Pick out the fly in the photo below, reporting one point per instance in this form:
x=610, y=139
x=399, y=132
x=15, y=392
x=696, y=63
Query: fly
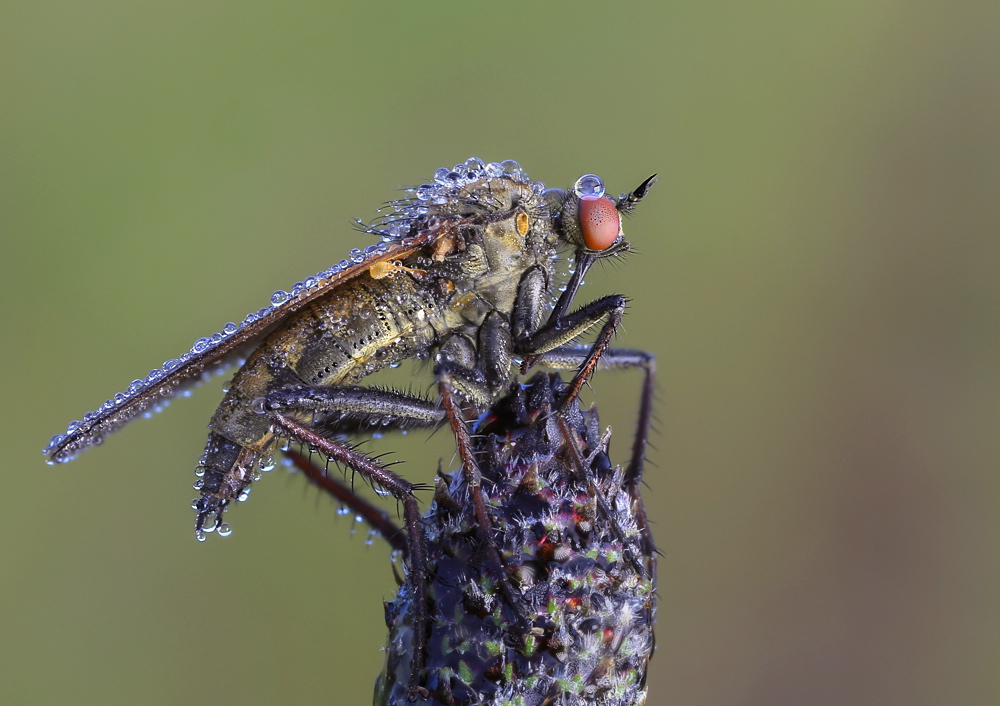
x=465, y=271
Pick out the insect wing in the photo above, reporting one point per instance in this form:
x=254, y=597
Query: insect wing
x=219, y=351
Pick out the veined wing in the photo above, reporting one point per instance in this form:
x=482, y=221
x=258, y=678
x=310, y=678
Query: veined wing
x=216, y=352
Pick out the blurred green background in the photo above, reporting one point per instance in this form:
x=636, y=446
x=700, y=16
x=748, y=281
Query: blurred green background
x=817, y=272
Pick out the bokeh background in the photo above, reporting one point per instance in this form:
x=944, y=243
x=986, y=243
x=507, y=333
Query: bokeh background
x=817, y=272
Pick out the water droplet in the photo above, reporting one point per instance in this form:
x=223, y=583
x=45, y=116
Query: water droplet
x=225, y=530
x=279, y=297
x=199, y=535
x=511, y=167
x=266, y=463
x=589, y=186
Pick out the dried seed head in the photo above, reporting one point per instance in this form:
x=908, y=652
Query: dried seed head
x=590, y=610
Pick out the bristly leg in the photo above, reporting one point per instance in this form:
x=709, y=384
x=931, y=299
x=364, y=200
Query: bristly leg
x=403, y=491
x=582, y=568
x=377, y=518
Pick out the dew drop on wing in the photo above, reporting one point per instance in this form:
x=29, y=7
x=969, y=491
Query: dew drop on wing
x=279, y=297
x=225, y=529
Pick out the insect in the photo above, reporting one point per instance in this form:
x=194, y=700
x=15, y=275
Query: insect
x=572, y=533
x=465, y=271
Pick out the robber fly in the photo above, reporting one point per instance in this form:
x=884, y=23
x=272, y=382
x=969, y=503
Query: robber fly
x=465, y=272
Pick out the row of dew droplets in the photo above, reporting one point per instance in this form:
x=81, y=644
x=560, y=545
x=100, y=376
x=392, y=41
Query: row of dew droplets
x=447, y=184
x=449, y=181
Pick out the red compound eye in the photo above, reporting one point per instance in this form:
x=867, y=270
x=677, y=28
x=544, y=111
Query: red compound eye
x=600, y=222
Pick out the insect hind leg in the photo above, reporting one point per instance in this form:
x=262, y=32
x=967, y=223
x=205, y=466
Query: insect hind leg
x=403, y=491
x=342, y=409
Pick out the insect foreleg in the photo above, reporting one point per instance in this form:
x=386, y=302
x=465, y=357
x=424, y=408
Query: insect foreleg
x=608, y=309
x=569, y=357
x=573, y=357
